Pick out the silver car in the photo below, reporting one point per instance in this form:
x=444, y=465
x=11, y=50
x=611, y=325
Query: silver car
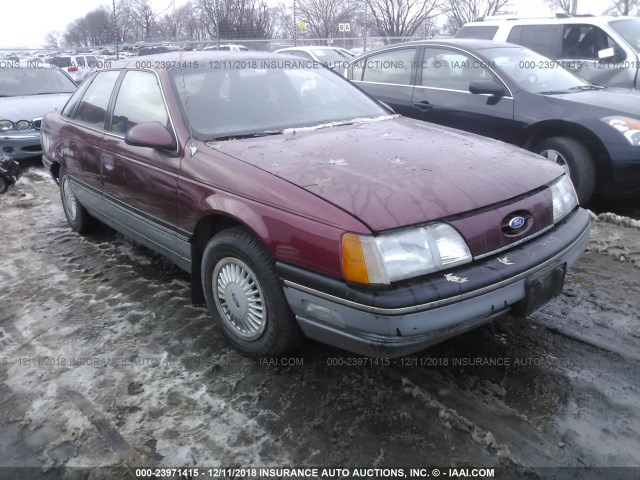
x=27, y=92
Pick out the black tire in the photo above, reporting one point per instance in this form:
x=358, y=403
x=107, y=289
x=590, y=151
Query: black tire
x=4, y=185
x=256, y=319
x=77, y=216
x=578, y=160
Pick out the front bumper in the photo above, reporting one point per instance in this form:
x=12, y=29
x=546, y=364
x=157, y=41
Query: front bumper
x=624, y=181
x=426, y=311
x=20, y=145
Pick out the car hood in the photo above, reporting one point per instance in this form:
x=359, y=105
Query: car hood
x=397, y=172
x=31, y=106
x=609, y=101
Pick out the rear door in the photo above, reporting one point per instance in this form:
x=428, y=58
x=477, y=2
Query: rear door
x=84, y=134
x=442, y=95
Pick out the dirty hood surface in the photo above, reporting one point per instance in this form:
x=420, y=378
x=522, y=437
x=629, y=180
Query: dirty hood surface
x=396, y=172
x=31, y=106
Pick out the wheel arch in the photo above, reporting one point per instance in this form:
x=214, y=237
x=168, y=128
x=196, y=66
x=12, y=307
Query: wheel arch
x=55, y=170
x=206, y=228
x=558, y=128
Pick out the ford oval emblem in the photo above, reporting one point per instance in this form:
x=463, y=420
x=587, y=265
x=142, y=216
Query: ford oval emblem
x=517, y=222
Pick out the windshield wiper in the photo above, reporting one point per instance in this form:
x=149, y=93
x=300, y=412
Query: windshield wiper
x=266, y=133
x=555, y=92
x=588, y=87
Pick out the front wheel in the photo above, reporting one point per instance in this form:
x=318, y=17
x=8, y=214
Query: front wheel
x=575, y=159
x=244, y=296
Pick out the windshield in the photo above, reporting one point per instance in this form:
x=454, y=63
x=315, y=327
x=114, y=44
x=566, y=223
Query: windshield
x=533, y=72
x=220, y=103
x=16, y=82
x=629, y=29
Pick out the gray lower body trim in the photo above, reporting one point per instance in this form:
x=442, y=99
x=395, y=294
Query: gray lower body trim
x=157, y=238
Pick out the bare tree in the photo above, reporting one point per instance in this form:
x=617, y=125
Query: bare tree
x=283, y=23
x=323, y=16
x=235, y=19
x=570, y=7
x=459, y=12
x=143, y=15
x=95, y=28
x=623, y=7
x=400, y=18
x=53, y=39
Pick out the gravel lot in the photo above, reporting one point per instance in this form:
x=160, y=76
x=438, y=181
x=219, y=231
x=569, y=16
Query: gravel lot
x=104, y=362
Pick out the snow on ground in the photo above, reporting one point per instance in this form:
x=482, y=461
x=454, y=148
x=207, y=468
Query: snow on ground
x=105, y=362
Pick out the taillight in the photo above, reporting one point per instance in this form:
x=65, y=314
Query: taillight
x=72, y=69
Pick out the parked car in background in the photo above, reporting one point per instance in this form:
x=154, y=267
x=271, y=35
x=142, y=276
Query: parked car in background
x=331, y=57
x=602, y=50
x=300, y=204
x=27, y=92
x=227, y=48
x=513, y=94
x=152, y=50
x=78, y=66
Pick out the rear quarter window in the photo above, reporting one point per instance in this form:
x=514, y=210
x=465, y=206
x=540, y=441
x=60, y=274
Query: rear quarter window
x=483, y=32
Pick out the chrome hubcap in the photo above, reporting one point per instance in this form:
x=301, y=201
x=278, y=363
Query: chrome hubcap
x=239, y=298
x=69, y=198
x=558, y=158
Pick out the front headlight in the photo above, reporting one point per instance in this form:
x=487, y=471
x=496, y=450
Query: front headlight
x=629, y=127
x=402, y=254
x=5, y=125
x=564, y=198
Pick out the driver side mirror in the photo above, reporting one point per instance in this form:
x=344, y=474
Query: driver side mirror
x=490, y=87
x=151, y=135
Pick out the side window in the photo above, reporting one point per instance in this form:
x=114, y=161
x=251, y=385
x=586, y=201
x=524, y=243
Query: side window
x=390, y=67
x=591, y=43
x=68, y=109
x=91, y=61
x=92, y=109
x=452, y=70
x=139, y=100
x=539, y=38
x=79, y=61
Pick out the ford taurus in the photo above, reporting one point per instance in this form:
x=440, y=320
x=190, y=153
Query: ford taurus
x=300, y=205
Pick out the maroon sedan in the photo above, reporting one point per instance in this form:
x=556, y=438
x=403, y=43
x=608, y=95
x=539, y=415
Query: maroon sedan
x=300, y=205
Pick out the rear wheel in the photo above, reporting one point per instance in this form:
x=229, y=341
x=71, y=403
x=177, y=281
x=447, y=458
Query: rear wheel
x=77, y=216
x=243, y=293
x=575, y=159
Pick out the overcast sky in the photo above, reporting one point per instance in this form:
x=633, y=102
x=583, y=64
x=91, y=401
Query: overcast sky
x=25, y=24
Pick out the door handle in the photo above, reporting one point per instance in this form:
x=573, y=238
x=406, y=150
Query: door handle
x=107, y=161
x=423, y=105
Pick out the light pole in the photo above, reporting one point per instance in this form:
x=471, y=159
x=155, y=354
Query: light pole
x=115, y=27
x=295, y=26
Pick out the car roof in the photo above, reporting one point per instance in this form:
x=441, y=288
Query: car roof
x=511, y=20
x=468, y=43
x=308, y=48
